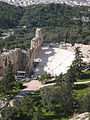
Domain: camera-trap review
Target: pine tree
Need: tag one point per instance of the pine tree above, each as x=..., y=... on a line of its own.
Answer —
x=8, y=113
x=9, y=79
x=78, y=64
x=71, y=74
x=59, y=79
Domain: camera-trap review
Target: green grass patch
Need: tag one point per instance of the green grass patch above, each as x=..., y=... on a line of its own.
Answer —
x=81, y=89
x=43, y=110
x=9, y=101
x=83, y=80
x=49, y=113
x=15, y=91
x=85, y=77
x=87, y=72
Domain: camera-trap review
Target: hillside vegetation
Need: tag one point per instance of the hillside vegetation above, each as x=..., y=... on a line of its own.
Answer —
x=59, y=22
x=54, y=15
x=9, y=15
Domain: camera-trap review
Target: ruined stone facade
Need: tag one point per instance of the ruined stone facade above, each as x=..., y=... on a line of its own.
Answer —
x=20, y=59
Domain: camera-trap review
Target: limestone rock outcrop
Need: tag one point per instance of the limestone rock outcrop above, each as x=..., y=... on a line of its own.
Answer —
x=83, y=116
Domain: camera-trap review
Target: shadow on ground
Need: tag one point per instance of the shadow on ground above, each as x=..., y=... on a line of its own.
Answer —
x=80, y=86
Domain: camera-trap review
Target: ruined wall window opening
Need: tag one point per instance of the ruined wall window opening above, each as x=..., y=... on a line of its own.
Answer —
x=6, y=62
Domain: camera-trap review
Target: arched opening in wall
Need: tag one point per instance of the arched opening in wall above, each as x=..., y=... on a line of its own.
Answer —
x=1, y=70
x=6, y=62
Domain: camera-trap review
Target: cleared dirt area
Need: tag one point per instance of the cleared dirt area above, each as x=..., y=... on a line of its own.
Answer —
x=31, y=87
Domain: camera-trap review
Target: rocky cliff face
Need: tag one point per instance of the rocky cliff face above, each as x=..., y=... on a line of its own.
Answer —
x=83, y=116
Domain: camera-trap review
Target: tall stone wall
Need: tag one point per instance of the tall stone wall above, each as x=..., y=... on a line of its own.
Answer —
x=20, y=59
x=32, y=53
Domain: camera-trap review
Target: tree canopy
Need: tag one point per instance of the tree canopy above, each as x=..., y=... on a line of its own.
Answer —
x=7, y=84
x=9, y=15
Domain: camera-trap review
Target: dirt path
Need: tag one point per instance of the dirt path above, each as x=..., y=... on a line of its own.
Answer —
x=82, y=82
x=32, y=86
x=35, y=85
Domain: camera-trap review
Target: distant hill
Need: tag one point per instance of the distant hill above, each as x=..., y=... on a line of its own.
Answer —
x=59, y=22
x=55, y=15
x=9, y=15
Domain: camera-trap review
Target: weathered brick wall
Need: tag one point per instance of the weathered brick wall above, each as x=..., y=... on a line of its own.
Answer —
x=17, y=58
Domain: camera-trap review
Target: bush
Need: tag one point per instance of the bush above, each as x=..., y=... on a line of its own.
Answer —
x=84, y=103
x=45, y=77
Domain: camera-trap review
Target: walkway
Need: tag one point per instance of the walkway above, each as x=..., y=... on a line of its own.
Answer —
x=33, y=86
x=82, y=82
